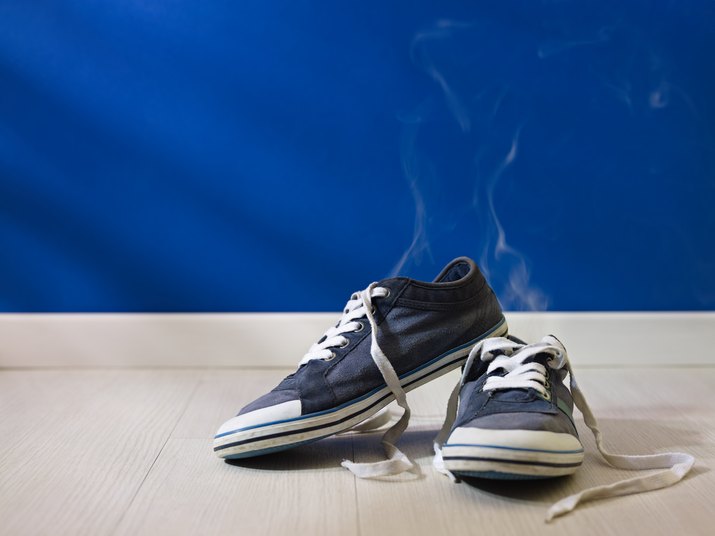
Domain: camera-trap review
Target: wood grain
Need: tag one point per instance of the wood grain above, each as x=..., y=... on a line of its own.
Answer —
x=191, y=491
x=640, y=411
x=75, y=447
x=129, y=452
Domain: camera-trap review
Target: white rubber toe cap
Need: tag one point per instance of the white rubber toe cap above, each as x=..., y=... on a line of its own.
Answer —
x=263, y=416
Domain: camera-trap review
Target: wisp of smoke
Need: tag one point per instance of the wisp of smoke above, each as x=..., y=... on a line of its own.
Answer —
x=443, y=29
x=501, y=262
x=549, y=49
x=497, y=253
x=411, y=171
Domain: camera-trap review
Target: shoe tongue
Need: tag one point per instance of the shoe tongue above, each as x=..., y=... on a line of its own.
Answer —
x=513, y=395
x=519, y=394
x=478, y=368
x=542, y=358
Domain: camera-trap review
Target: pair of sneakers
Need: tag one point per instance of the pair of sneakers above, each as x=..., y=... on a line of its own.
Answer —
x=509, y=417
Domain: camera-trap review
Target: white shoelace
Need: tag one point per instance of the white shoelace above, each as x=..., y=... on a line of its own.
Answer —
x=360, y=306
x=523, y=375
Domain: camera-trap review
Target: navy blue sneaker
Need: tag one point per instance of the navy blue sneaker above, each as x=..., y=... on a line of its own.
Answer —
x=514, y=421
x=515, y=417
x=393, y=336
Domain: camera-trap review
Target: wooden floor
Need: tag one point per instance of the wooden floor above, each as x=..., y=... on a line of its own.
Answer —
x=129, y=452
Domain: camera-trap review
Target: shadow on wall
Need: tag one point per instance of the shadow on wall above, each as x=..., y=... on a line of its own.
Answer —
x=271, y=156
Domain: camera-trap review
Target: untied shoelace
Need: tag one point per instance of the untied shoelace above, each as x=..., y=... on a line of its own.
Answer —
x=510, y=355
x=359, y=306
x=504, y=353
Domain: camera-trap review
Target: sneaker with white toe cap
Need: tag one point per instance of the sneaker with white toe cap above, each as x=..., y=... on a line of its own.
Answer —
x=510, y=418
x=395, y=335
x=515, y=418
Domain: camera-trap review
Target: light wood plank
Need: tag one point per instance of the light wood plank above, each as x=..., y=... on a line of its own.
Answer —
x=640, y=411
x=129, y=452
x=190, y=491
x=75, y=446
x=220, y=395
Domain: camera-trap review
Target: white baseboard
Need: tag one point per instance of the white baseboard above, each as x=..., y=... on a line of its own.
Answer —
x=280, y=339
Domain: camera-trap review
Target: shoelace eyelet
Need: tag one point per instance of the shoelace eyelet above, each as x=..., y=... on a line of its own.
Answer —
x=362, y=327
x=332, y=356
x=347, y=341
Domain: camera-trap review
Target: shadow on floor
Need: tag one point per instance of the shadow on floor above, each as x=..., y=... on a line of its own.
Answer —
x=322, y=454
x=645, y=436
x=536, y=491
x=329, y=452
x=627, y=436
x=623, y=436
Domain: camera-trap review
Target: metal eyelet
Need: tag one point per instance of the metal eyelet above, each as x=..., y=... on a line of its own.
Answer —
x=547, y=395
x=358, y=330
x=347, y=341
x=332, y=356
x=388, y=292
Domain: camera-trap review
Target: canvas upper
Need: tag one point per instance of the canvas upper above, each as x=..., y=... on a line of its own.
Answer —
x=515, y=421
x=516, y=408
x=418, y=321
x=395, y=335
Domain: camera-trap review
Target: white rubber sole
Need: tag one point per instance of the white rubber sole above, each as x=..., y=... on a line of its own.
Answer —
x=271, y=437
x=511, y=454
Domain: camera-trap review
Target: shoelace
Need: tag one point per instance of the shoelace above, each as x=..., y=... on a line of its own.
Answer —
x=510, y=356
x=360, y=306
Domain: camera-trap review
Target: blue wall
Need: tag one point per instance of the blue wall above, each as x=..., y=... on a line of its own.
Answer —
x=277, y=155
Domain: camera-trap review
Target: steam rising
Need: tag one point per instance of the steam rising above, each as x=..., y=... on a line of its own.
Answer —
x=549, y=49
x=410, y=168
x=443, y=29
x=503, y=264
x=498, y=255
